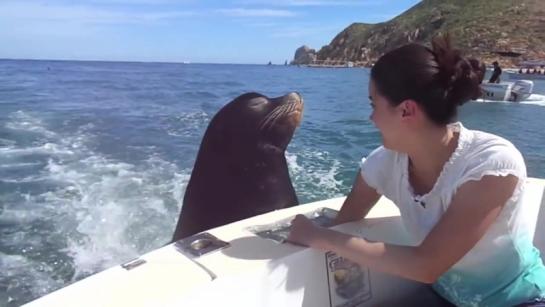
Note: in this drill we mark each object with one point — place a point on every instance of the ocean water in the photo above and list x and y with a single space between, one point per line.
95 156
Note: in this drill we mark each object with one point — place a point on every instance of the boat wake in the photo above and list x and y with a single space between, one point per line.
536 99
69 210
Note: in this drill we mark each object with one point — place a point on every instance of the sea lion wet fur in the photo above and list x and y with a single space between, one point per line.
241 169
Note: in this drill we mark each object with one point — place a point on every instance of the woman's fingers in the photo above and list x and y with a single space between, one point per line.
301 230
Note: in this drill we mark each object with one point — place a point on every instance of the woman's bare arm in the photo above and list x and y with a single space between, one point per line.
358 203
473 209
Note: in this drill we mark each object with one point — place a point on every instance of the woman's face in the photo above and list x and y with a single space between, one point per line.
386 118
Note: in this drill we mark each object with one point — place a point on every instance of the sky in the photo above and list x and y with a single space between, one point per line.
205 31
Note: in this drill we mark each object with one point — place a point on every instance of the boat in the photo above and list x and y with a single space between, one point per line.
524 75
507 91
529 70
246 264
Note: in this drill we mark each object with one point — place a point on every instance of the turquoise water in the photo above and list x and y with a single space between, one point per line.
94 156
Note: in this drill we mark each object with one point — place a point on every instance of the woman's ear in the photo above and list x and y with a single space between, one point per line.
409 108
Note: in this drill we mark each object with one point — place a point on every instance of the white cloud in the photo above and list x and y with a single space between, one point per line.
302 31
115 2
82 14
315 2
242 12
326 3
262 24
144 2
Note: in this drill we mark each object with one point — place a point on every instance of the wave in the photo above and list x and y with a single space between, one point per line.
535 99
45 149
188 124
19 165
23 121
314 175
31 277
79 205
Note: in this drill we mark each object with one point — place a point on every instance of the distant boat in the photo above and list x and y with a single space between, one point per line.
270 63
507 91
539 75
532 69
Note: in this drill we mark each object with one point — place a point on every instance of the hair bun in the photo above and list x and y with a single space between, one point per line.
460 77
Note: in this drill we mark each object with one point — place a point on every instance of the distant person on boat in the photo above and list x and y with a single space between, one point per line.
459 191
495 78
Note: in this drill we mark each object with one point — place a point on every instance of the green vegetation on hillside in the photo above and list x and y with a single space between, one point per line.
488 29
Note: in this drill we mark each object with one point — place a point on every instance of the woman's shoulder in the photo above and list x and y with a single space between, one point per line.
492 154
486 144
380 168
381 155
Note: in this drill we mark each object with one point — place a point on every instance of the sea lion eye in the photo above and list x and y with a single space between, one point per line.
257 103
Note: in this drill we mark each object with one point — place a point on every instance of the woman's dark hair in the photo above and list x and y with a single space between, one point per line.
439 78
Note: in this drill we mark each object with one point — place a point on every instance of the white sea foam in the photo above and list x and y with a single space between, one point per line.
19 271
27 179
12 216
107 210
187 124
313 175
536 99
45 149
114 202
6 142
22 121
19 165
292 163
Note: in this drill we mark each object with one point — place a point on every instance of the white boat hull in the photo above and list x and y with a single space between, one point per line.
253 271
507 91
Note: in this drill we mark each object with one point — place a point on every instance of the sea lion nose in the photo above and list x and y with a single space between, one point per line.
295 101
294 96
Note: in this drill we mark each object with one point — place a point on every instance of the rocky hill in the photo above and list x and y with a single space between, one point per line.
304 55
505 30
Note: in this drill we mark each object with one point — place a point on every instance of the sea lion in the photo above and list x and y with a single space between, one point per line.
241 170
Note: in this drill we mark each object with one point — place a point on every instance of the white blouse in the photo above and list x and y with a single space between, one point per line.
503 268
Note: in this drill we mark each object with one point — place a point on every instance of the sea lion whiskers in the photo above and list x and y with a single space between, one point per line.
268 122
287 109
291 103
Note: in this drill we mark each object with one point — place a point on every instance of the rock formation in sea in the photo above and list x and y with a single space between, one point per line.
304 55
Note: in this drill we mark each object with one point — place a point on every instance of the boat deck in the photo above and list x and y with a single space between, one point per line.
253 270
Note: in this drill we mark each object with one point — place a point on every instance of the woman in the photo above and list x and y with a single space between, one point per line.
458 190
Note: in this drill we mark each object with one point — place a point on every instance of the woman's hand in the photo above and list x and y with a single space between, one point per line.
304 231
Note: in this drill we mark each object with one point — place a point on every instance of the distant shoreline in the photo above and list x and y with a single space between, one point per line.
136 62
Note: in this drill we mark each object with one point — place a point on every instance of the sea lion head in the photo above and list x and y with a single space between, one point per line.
241 169
253 122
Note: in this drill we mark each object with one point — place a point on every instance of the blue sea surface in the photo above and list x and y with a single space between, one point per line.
95 156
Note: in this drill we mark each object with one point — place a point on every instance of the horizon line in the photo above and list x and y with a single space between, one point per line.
132 61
